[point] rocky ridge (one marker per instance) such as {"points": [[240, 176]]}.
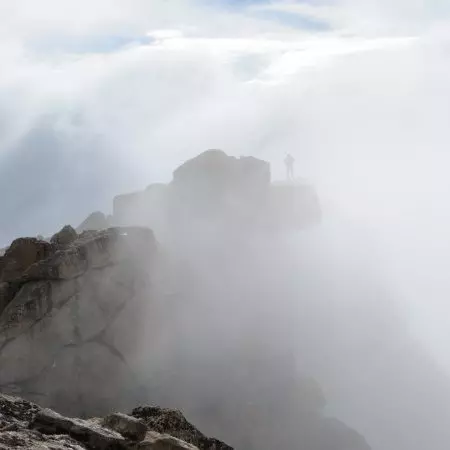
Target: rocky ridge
{"points": [[90, 323], [61, 303], [24, 425]]}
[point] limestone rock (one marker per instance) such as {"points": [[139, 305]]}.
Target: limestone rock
{"points": [[64, 237], [22, 254], [129, 427]]}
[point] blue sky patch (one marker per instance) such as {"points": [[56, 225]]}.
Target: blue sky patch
{"points": [[88, 44], [287, 18], [294, 20]]}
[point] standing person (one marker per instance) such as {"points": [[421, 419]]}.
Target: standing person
{"points": [[289, 161]]}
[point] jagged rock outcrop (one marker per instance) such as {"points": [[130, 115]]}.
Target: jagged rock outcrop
{"points": [[104, 320], [172, 422], [214, 183], [62, 312], [85, 333], [20, 255], [215, 186], [64, 237], [25, 425]]}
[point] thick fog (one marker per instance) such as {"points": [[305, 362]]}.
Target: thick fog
{"points": [[102, 98]]}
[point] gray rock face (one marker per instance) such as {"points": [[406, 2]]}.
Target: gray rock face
{"points": [[86, 432], [57, 323], [23, 253], [94, 323], [214, 182], [25, 425], [64, 237], [172, 422]]}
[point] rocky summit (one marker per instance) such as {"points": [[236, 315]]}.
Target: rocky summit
{"points": [[107, 317], [213, 186]]}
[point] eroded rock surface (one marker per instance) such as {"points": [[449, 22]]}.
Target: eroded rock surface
{"points": [[22, 254], [24, 425], [172, 422], [95, 322], [64, 237], [58, 312]]}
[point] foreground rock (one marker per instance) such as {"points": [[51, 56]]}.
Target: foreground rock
{"points": [[72, 313], [22, 254], [103, 320], [26, 425], [172, 422]]}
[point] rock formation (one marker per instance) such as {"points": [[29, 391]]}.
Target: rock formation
{"points": [[215, 186], [28, 426], [62, 305], [104, 320], [81, 332]]}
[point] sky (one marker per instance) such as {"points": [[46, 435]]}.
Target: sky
{"points": [[98, 99], [101, 98]]}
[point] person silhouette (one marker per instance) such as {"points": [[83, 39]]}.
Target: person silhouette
{"points": [[289, 162]]}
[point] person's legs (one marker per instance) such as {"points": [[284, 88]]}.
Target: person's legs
{"points": [[290, 174]]}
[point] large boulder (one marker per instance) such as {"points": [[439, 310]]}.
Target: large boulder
{"points": [[22, 254], [172, 422], [214, 183]]}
